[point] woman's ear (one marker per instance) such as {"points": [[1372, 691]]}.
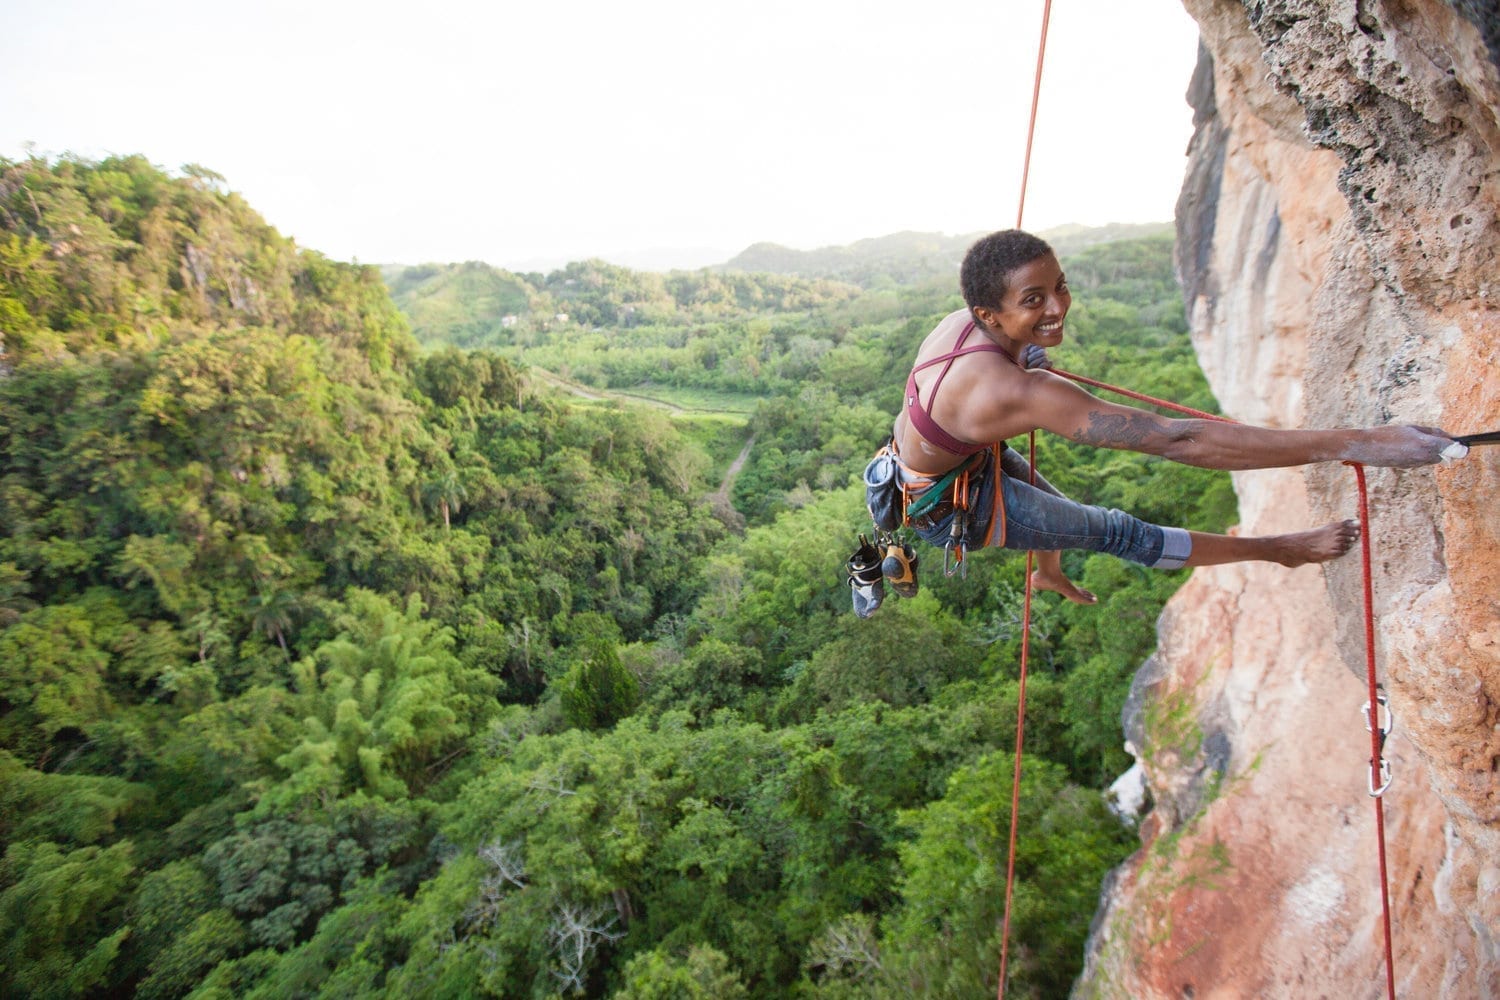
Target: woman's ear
{"points": [[987, 317]]}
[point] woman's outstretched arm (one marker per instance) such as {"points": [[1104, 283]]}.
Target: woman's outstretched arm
{"points": [[1063, 408]]}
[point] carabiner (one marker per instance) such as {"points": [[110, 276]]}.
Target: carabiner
{"points": [[958, 533], [1382, 705], [956, 566]]}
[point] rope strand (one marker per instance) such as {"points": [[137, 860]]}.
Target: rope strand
{"points": [[1015, 784], [1142, 397], [1377, 733], [1036, 95], [1377, 736], [1015, 779]]}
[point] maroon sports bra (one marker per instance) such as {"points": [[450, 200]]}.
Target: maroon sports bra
{"points": [[921, 417]]}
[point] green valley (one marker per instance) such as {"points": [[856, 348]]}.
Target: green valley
{"points": [[375, 634]]}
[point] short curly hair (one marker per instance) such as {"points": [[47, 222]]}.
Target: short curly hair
{"points": [[988, 265]]}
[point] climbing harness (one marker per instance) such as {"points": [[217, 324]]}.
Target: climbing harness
{"points": [[897, 497], [926, 501]]}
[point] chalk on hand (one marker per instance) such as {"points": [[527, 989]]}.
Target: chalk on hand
{"points": [[1454, 451]]}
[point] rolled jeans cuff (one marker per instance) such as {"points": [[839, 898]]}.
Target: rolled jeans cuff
{"points": [[1176, 547]]}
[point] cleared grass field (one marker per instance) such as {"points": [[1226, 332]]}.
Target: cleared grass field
{"points": [[698, 402], [715, 421], [704, 401]]}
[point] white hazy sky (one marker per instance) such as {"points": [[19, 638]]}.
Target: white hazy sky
{"points": [[525, 134]]}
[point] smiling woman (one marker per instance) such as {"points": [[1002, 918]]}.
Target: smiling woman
{"points": [[981, 377]]}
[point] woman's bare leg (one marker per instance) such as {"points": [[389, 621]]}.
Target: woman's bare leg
{"points": [[1048, 575], [1294, 549]]}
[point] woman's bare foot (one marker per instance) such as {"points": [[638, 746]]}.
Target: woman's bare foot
{"points": [[1059, 584], [1316, 546]]}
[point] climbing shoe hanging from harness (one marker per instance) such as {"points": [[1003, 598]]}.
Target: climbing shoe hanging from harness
{"points": [[887, 560], [866, 583], [899, 566]]}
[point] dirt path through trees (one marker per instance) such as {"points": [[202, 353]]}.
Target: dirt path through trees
{"points": [[734, 469]]}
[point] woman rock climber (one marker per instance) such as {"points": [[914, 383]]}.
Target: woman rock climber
{"points": [[980, 378]]}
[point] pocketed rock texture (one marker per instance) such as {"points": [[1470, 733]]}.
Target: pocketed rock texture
{"points": [[1338, 237]]}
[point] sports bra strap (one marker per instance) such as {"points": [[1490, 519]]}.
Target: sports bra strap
{"points": [[921, 416]]}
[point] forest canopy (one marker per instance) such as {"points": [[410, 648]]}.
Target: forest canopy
{"points": [[342, 653]]}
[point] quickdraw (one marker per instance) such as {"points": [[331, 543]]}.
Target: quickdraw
{"points": [[958, 544], [1381, 721]]}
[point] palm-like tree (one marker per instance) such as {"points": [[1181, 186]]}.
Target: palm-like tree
{"points": [[273, 612], [446, 492]]}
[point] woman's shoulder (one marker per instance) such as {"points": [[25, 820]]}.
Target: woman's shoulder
{"points": [[944, 334], [957, 319]]}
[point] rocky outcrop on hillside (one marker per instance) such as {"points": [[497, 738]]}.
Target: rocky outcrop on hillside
{"points": [[1338, 236]]}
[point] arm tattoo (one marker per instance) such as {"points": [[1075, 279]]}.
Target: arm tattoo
{"points": [[1128, 431]]}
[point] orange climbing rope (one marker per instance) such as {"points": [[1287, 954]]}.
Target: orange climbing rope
{"points": [[1380, 772], [1015, 781], [1036, 94], [1015, 785], [1378, 726]]}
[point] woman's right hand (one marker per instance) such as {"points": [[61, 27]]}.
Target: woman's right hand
{"points": [[1400, 446]]}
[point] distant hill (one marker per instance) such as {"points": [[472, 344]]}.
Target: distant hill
{"points": [[459, 304], [911, 257], [474, 305], [1070, 239], [903, 258]]}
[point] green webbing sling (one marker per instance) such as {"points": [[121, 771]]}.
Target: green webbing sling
{"points": [[934, 493]]}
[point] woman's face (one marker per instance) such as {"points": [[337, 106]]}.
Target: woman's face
{"points": [[1034, 305]]}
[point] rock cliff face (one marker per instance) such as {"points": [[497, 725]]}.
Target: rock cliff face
{"points": [[1338, 238]]}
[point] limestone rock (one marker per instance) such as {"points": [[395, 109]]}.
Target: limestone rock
{"points": [[1338, 237]]}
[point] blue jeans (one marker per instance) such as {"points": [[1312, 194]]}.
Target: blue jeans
{"points": [[1040, 521]]}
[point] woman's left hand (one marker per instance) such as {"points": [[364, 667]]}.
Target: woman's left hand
{"points": [[1034, 356]]}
